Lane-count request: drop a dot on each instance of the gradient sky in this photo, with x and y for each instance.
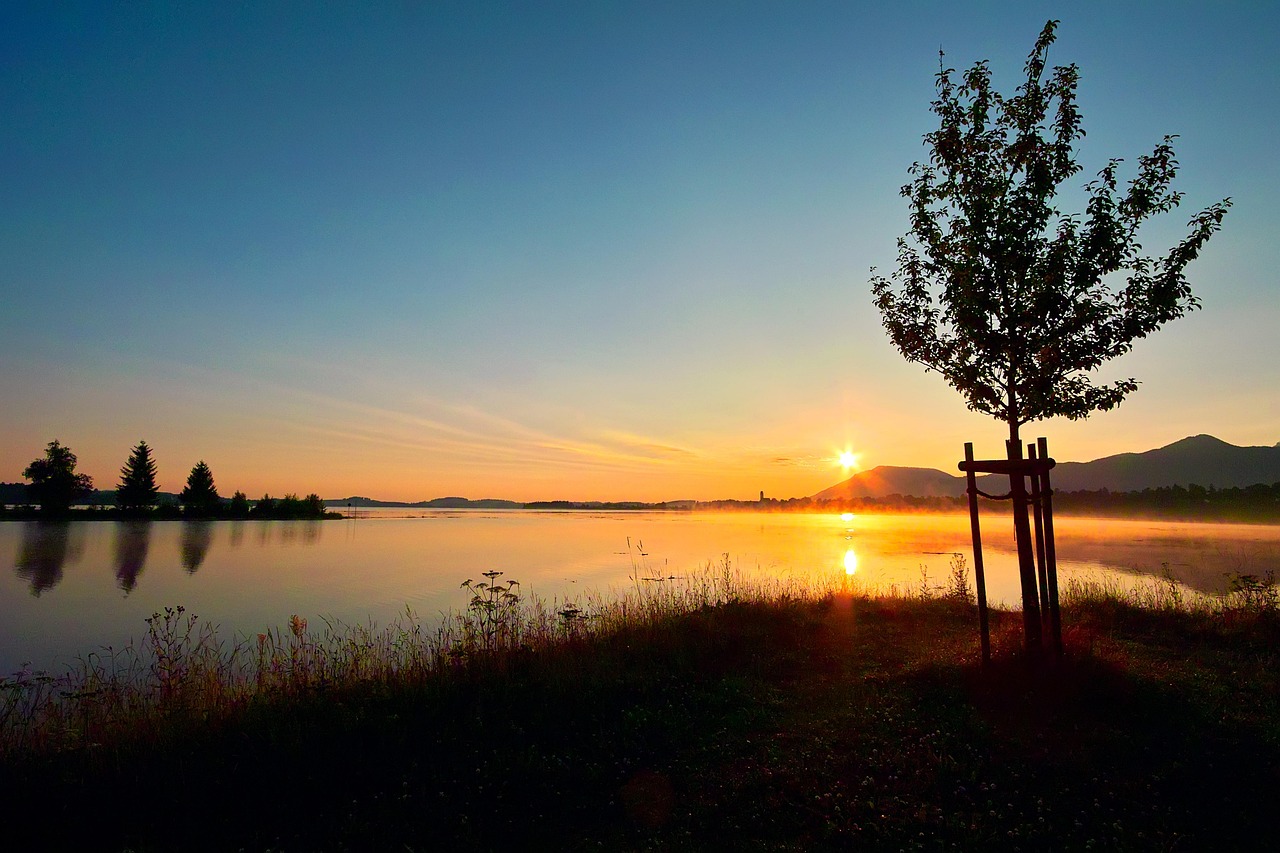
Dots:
(565, 250)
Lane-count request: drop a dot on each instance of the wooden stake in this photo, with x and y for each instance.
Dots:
(979, 576)
(1051, 551)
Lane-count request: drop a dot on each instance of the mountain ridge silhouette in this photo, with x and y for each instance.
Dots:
(1200, 459)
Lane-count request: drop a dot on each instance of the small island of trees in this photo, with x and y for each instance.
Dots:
(57, 491)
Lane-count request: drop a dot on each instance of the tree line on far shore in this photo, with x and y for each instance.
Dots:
(55, 486)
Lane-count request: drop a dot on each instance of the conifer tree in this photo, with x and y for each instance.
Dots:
(200, 495)
(138, 490)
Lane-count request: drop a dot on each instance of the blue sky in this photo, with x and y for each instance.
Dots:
(581, 250)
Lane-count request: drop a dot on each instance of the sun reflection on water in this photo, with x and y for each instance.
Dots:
(850, 562)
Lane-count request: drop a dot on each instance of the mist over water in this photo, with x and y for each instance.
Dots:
(71, 589)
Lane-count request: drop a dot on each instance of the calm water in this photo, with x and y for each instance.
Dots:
(70, 589)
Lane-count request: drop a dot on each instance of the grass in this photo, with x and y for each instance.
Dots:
(708, 712)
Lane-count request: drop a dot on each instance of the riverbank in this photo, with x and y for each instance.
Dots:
(703, 718)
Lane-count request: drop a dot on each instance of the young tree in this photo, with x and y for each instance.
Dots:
(1012, 300)
(138, 490)
(200, 495)
(55, 485)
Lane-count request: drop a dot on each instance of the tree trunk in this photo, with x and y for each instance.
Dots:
(1031, 626)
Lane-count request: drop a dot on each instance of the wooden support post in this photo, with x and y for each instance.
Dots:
(1037, 515)
(1051, 553)
(1032, 633)
(979, 575)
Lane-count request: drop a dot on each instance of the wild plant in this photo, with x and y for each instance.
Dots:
(572, 621)
(23, 695)
(169, 640)
(924, 589)
(495, 612)
(958, 588)
(1171, 588)
(1253, 593)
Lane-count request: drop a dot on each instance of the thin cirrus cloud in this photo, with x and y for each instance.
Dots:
(463, 433)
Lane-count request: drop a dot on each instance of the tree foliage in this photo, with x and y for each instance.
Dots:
(1014, 301)
(55, 485)
(138, 490)
(239, 506)
(200, 495)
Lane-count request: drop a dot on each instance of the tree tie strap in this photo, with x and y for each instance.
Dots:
(1003, 497)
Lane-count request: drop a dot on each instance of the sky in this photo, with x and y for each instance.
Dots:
(583, 251)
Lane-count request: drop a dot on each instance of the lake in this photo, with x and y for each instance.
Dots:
(73, 588)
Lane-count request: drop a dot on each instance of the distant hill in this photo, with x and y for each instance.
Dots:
(893, 480)
(465, 503)
(15, 494)
(434, 503)
(1200, 459)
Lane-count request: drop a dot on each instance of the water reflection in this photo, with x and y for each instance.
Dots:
(133, 540)
(373, 567)
(197, 536)
(308, 532)
(45, 548)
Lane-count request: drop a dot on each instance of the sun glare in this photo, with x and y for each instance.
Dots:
(847, 459)
(850, 562)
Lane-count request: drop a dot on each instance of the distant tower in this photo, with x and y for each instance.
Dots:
(762, 496)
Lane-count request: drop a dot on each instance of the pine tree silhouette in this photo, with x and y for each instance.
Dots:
(138, 490)
(200, 495)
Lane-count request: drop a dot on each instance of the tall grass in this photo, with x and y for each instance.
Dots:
(184, 672)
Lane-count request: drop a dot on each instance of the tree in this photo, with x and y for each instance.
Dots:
(55, 485)
(138, 490)
(239, 506)
(1011, 300)
(200, 495)
(264, 507)
(314, 506)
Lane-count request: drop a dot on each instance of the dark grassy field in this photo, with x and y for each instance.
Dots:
(838, 722)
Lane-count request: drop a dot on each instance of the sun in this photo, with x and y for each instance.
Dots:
(847, 459)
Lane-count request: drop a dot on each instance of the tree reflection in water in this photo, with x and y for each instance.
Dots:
(237, 532)
(197, 536)
(45, 549)
(133, 540)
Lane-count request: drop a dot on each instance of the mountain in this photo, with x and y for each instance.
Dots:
(893, 480)
(1199, 459)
